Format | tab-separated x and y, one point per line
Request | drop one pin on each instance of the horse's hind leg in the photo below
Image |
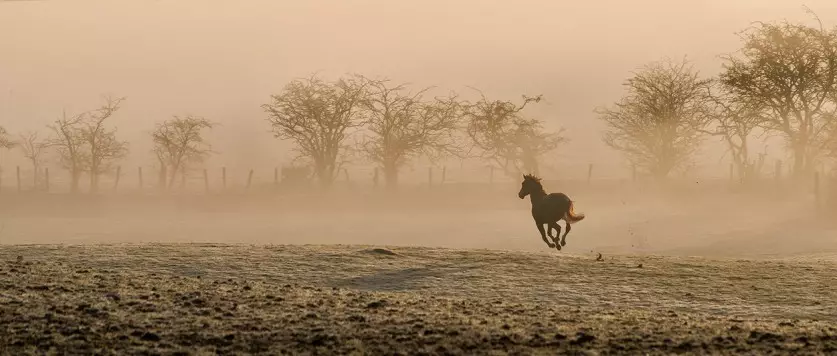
543	235
549	228
567	231
556	239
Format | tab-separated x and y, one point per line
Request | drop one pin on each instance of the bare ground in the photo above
351	299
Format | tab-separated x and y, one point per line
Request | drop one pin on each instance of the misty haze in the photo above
373	177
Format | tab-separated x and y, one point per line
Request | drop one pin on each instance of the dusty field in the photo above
157	275
623	221
349	299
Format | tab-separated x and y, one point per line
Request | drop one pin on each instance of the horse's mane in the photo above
531	178
534	179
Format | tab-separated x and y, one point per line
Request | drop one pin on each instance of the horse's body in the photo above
548	209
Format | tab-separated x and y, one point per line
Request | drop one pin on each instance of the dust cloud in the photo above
622	218
222	60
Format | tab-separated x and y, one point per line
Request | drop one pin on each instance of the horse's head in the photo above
530	184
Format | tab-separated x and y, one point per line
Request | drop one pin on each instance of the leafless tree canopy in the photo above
831	146
103	148
33	149
179	142
790	72
403	125
658	123
735	121
318	116
70	144
501	135
5	141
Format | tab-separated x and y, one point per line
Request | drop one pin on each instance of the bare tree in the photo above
404	125
69	141
318	116
790	71
5	141
504	137
658	123
831	145
179	142
101	142
33	150
735	122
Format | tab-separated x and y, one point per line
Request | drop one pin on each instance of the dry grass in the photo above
193	299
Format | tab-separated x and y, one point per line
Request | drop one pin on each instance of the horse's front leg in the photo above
543	234
567	231
556	239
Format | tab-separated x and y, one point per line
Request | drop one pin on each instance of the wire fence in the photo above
148	180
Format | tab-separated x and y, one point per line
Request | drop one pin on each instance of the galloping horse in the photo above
548	209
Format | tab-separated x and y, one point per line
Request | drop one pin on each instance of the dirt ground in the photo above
349	299
697	271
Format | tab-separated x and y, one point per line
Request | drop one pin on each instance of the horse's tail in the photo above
571	217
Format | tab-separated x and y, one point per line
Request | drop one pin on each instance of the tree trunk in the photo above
326	182
390	175
661	171
743	168
742	161
94	181
173	176
36	169
325	174
161	177
75	179
799	163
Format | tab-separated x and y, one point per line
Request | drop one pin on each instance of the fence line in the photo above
220	180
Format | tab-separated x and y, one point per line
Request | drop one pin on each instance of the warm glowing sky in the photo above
222	59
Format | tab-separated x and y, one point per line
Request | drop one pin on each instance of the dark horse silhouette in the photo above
548	209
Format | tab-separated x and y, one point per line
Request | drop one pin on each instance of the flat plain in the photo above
689	274
349	299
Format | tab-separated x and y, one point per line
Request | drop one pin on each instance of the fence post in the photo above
275	176
444	174
633	172
346	174
163	179
249	179
118	177
19	186
46	179
429	176
139	175
491	175
731	173
375	178
778	170
817	198
589	173
224	177
183	179
206	180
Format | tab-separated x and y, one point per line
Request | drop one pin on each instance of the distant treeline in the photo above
782	82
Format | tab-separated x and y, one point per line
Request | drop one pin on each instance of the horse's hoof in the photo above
552	245
563	243
558	247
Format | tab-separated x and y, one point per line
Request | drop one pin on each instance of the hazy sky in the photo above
222	59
